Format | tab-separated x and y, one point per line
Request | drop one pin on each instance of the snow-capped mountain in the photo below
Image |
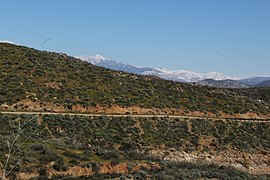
178	75
185	76
99	60
9	42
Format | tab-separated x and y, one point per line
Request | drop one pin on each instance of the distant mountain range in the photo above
255	81
178	75
223	83
214	79
242	83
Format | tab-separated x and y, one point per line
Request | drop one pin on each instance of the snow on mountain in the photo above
186	76
99	60
6	41
93	59
174	75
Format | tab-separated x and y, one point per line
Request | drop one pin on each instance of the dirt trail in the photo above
136	116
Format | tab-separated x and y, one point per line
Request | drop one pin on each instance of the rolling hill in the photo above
264	84
223	83
38	80
253	81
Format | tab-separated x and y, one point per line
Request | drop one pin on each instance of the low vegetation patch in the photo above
53	143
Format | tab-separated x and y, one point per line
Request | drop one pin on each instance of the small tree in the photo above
12	145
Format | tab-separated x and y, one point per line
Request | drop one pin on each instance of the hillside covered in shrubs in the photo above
105	147
47	77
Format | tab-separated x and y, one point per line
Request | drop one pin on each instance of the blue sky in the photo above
229	36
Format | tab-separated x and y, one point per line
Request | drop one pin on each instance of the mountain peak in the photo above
94	59
100	57
174	75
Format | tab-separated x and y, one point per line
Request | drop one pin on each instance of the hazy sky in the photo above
229	36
